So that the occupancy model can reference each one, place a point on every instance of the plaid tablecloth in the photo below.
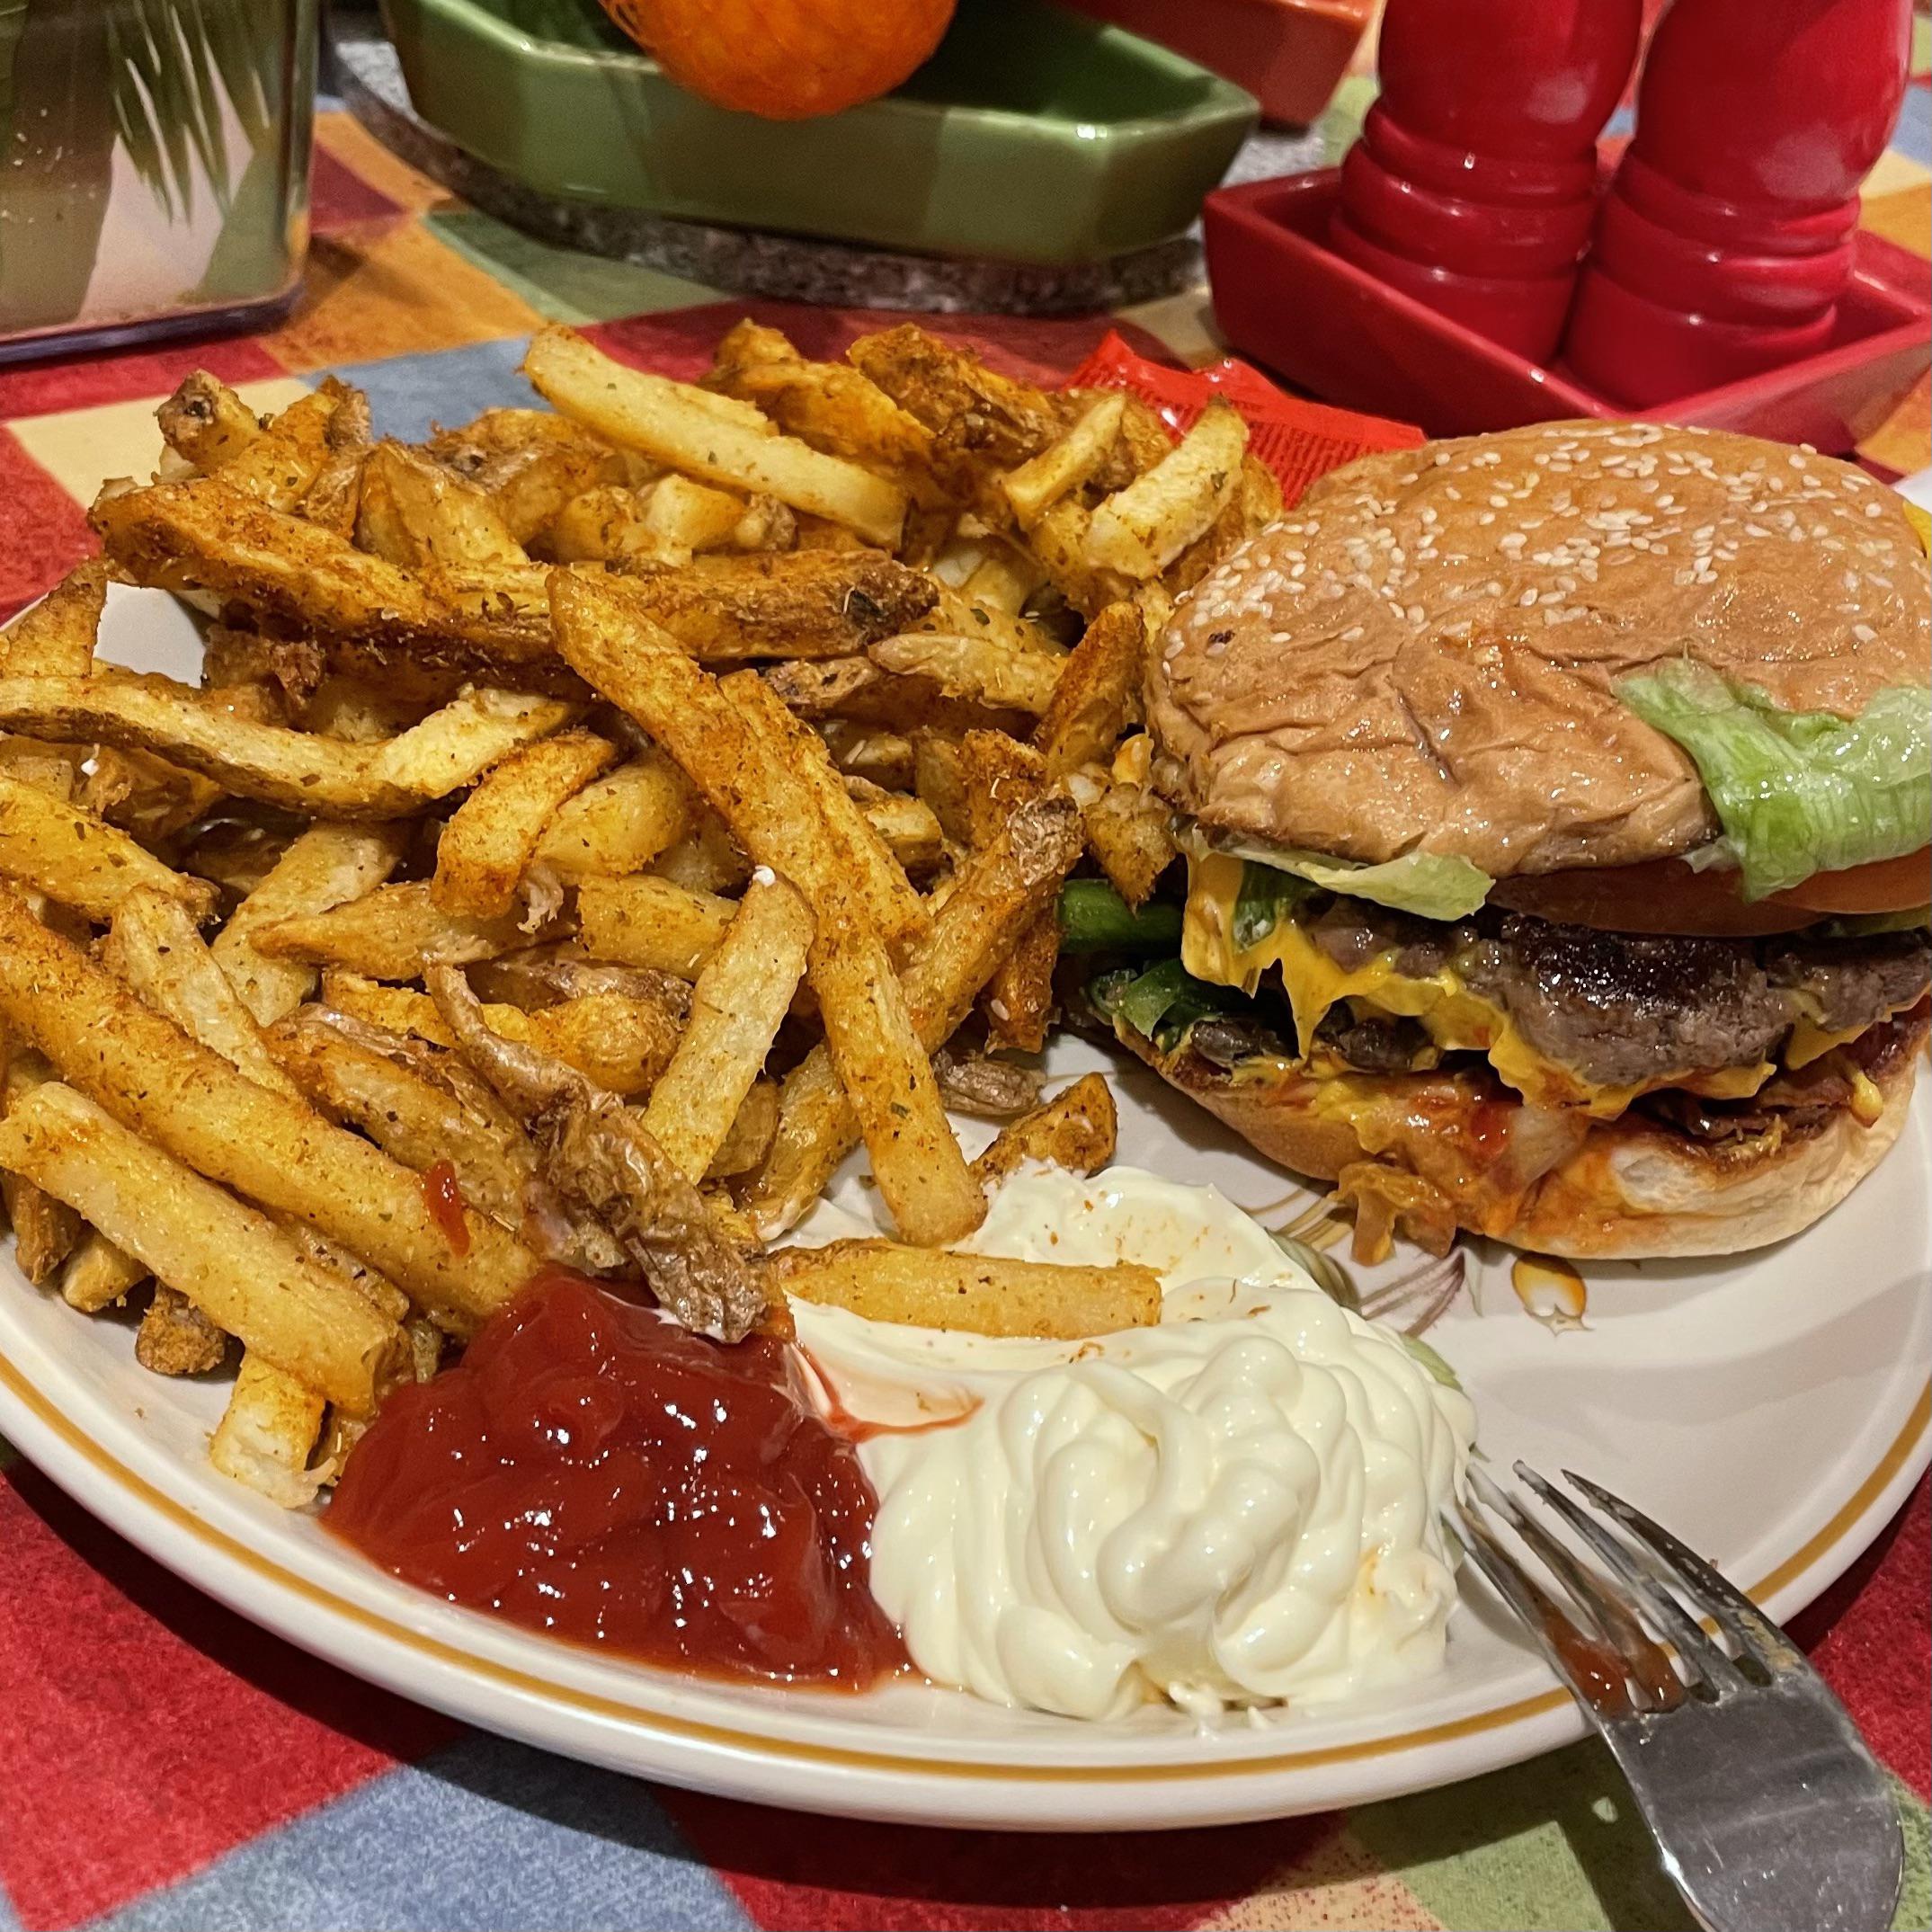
(163, 1764)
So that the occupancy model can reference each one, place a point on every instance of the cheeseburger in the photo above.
(1555, 807)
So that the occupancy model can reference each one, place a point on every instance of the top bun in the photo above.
(1422, 655)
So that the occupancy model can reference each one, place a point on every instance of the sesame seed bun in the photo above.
(1422, 655)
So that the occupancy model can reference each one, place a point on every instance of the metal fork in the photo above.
(1770, 1811)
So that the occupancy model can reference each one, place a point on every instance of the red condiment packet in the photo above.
(1298, 441)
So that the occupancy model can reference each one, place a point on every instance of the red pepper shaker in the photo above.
(1725, 241)
(1474, 185)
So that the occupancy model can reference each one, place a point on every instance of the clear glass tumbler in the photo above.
(154, 167)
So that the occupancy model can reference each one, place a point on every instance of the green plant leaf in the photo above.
(1266, 898)
(1797, 792)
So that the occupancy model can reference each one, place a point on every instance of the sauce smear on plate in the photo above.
(594, 1472)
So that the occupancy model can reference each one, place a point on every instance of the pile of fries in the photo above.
(592, 825)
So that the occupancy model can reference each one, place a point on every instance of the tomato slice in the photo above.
(1887, 886)
(1663, 895)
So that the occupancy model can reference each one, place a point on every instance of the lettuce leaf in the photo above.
(1797, 792)
(1431, 885)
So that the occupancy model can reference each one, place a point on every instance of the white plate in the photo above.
(1773, 1410)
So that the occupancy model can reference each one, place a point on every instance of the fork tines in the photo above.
(1628, 1642)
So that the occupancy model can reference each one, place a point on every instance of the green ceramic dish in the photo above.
(1031, 136)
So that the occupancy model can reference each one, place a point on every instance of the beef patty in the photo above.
(1620, 1009)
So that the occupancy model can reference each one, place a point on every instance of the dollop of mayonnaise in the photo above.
(1239, 1506)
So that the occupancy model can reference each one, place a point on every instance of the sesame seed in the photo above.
(1864, 633)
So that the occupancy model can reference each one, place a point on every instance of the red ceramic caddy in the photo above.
(1284, 298)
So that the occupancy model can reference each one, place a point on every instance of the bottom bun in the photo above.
(1632, 1189)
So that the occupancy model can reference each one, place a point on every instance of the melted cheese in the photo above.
(1455, 1019)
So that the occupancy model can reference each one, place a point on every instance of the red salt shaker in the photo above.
(1474, 185)
(1726, 239)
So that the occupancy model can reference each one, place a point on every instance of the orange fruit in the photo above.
(785, 59)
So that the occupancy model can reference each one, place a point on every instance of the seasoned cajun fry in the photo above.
(779, 740)
(748, 1140)
(1142, 529)
(540, 976)
(142, 795)
(865, 751)
(975, 1083)
(646, 922)
(388, 933)
(491, 837)
(1063, 465)
(528, 462)
(154, 946)
(1131, 832)
(1004, 888)
(965, 616)
(327, 866)
(205, 423)
(708, 436)
(691, 516)
(608, 525)
(794, 604)
(192, 1103)
(323, 777)
(621, 821)
(332, 499)
(1076, 1129)
(1000, 776)
(906, 826)
(267, 1433)
(740, 1000)
(832, 408)
(979, 1294)
(977, 668)
(414, 1118)
(46, 1230)
(81, 861)
(55, 638)
(241, 1271)
(279, 467)
(857, 689)
(706, 859)
(177, 1339)
(1097, 694)
(417, 512)
(1059, 541)
(939, 782)
(98, 1273)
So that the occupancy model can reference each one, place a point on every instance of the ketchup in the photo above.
(594, 1472)
(444, 1201)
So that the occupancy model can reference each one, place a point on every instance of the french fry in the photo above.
(321, 777)
(1000, 776)
(740, 1000)
(793, 604)
(416, 512)
(708, 436)
(939, 782)
(142, 795)
(240, 1269)
(1064, 465)
(857, 689)
(885, 758)
(619, 822)
(977, 668)
(1004, 890)
(80, 860)
(977, 1082)
(46, 1230)
(978, 1294)
(409, 1115)
(267, 1434)
(353, 710)
(1077, 1129)
(201, 538)
(691, 516)
(205, 423)
(491, 837)
(646, 922)
(622, 1041)
(966, 615)
(1059, 541)
(1131, 832)
(279, 467)
(388, 933)
(905, 826)
(831, 406)
(1142, 529)
(1097, 695)
(194, 1105)
(175, 1338)
(98, 1273)
(779, 740)
(749, 1138)
(55, 638)
(706, 859)
(154, 947)
(530, 463)
(608, 525)
(327, 866)
(332, 499)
